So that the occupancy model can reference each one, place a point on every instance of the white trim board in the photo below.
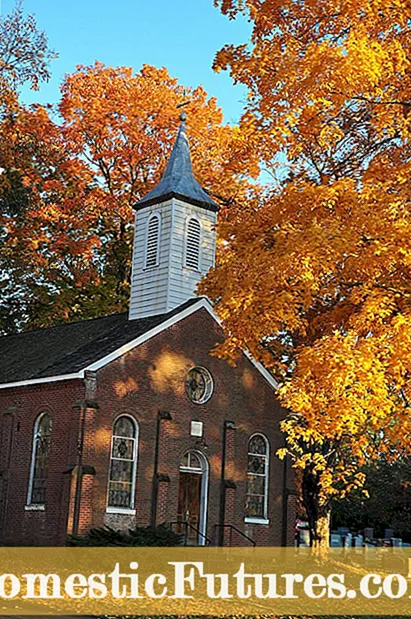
(40, 381)
(200, 304)
(259, 366)
(146, 336)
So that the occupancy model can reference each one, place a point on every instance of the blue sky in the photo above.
(182, 35)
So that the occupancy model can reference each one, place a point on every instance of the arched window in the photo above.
(153, 241)
(39, 460)
(193, 244)
(257, 478)
(123, 460)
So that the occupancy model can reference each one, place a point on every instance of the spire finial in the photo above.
(183, 115)
(178, 180)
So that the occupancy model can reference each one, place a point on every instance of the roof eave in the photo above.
(202, 302)
(209, 206)
(42, 380)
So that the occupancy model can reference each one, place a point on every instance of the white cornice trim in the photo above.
(259, 366)
(39, 381)
(200, 304)
(146, 336)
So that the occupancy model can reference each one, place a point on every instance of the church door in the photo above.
(191, 512)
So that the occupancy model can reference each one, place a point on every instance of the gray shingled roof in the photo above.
(69, 348)
(178, 179)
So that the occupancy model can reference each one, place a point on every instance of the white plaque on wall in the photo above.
(196, 428)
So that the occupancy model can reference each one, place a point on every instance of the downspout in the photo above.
(77, 497)
(161, 415)
(231, 425)
(90, 383)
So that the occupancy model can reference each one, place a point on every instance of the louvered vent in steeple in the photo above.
(193, 244)
(153, 241)
(174, 238)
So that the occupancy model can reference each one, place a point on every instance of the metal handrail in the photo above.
(232, 528)
(188, 525)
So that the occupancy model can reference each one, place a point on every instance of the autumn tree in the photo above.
(25, 58)
(315, 280)
(24, 55)
(45, 242)
(70, 248)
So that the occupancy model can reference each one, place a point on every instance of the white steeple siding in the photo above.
(159, 289)
(176, 200)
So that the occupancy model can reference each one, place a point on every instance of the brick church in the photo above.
(128, 420)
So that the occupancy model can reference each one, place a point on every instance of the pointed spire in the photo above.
(178, 179)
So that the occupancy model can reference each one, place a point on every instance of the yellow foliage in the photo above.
(315, 279)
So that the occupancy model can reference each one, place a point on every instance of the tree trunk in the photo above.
(318, 515)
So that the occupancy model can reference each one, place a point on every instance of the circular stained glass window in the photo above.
(199, 385)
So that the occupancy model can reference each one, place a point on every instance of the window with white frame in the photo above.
(39, 460)
(193, 244)
(153, 241)
(123, 460)
(257, 478)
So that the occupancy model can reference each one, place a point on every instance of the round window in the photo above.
(199, 385)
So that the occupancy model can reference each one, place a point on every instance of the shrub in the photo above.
(140, 536)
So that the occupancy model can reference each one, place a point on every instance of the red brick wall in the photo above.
(19, 409)
(149, 379)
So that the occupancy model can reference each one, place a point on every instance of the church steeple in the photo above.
(178, 179)
(174, 237)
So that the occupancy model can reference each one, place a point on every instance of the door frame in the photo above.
(204, 472)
